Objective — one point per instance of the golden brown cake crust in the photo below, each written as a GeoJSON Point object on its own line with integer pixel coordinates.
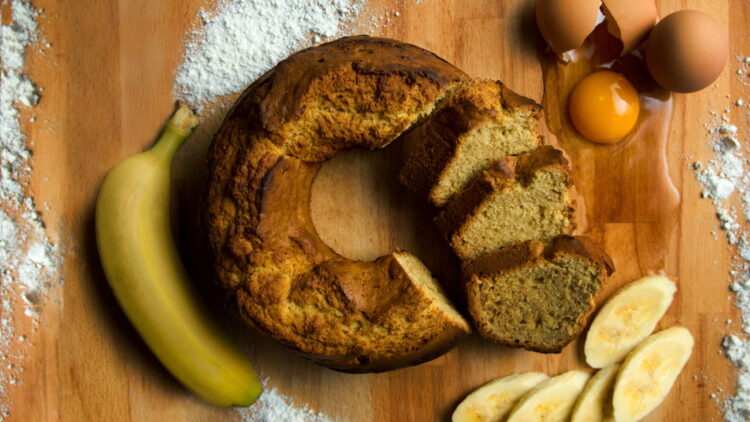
{"type": "Point", "coordinates": [495, 179]}
{"type": "Point", "coordinates": [529, 254]}
{"type": "Point", "coordinates": [582, 246]}
{"type": "Point", "coordinates": [441, 135]}
{"type": "Point", "coordinates": [352, 316]}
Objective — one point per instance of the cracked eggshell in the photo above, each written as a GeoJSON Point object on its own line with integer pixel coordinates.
{"type": "Point", "coordinates": [565, 24]}
{"type": "Point", "coordinates": [630, 21]}
{"type": "Point", "coordinates": [687, 51]}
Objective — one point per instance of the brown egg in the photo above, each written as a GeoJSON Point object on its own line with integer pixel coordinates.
{"type": "Point", "coordinates": [565, 24]}
{"type": "Point", "coordinates": [687, 51]}
{"type": "Point", "coordinates": [630, 21]}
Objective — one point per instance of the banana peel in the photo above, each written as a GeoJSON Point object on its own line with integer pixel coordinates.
{"type": "Point", "coordinates": [149, 280]}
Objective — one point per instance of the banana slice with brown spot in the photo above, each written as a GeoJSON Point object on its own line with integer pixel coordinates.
{"type": "Point", "coordinates": [649, 372]}
{"type": "Point", "coordinates": [627, 318]}
{"type": "Point", "coordinates": [493, 401]}
{"type": "Point", "coordinates": [552, 400]}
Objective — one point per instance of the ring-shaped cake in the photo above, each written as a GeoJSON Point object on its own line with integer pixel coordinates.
{"type": "Point", "coordinates": [475, 151]}
{"type": "Point", "coordinates": [348, 315]}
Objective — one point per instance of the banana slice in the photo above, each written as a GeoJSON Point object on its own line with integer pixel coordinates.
{"type": "Point", "coordinates": [649, 372]}
{"type": "Point", "coordinates": [493, 401]}
{"type": "Point", "coordinates": [627, 318]}
{"type": "Point", "coordinates": [552, 400]}
{"type": "Point", "coordinates": [595, 402]}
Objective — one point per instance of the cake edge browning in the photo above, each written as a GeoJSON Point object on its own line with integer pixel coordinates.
{"type": "Point", "coordinates": [510, 257]}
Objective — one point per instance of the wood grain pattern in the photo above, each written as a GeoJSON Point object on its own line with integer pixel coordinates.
{"type": "Point", "coordinates": [108, 81]}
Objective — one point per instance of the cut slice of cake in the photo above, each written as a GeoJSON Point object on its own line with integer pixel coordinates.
{"type": "Point", "coordinates": [480, 123]}
{"type": "Point", "coordinates": [518, 199]}
{"type": "Point", "coordinates": [536, 295]}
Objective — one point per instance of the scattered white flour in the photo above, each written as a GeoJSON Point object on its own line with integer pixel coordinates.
{"type": "Point", "coordinates": [241, 39]}
{"type": "Point", "coordinates": [274, 407]}
{"type": "Point", "coordinates": [726, 182]}
{"type": "Point", "coordinates": [29, 262]}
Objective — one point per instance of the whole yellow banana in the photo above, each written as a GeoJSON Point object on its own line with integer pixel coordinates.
{"type": "Point", "coordinates": [150, 282]}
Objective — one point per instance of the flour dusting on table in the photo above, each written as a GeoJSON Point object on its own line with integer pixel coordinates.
{"type": "Point", "coordinates": [239, 40]}
{"type": "Point", "coordinates": [29, 262]}
{"type": "Point", "coordinates": [726, 182]}
{"type": "Point", "coordinates": [273, 407]}
{"type": "Point", "coordinates": [242, 39]}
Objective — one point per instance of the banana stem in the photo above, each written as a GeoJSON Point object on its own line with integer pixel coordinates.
{"type": "Point", "coordinates": [178, 128]}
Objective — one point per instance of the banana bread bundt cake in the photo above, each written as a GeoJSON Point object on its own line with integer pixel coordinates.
{"type": "Point", "coordinates": [364, 316]}
{"type": "Point", "coordinates": [348, 315]}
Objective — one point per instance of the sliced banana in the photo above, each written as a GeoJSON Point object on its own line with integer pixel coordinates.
{"type": "Point", "coordinates": [649, 372]}
{"type": "Point", "coordinates": [595, 402]}
{"type": "Point", "coordinates": [627, 318]}
{"type": "Point", "coordinates": [552, 400]}
{"type": "Point", "coordinates": [492, 401]}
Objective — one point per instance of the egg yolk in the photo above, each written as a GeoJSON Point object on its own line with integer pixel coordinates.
{"type": "Point", "coordinates": [604, 107]}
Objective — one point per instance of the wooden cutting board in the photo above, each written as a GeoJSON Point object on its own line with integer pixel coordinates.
{"type": "Point", "coordinates": [107, 89]}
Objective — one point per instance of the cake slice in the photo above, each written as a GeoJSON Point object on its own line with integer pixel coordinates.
{"type": "Point", "coordinates": [536, 295]}
{"type": "Point", "coordinates": [518, 199]}
{"type": "Point", "coordinates": [480, 123]}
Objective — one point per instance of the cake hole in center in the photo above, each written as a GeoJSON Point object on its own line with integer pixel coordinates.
{"type": "Point", "coordinates": [361, 210]}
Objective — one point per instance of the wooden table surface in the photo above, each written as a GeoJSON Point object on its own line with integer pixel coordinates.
{"type": "Point", "coordinates": [108, 88]}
